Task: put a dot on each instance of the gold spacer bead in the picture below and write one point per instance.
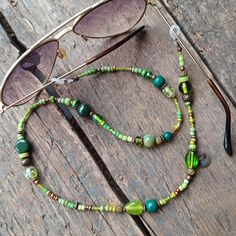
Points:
(119, 209)
(159, 140)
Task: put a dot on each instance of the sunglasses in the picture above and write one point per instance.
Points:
(105, 19)
(34, 67)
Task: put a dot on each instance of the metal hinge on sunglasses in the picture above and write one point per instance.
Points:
(64, 81)
(151, 2)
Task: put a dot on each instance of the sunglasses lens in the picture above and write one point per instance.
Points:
(30, 73)
(112, 18)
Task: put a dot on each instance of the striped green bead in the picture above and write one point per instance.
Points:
(52, 99)
(191, 160)
(185, 87)
(146, 74)
(98, 120)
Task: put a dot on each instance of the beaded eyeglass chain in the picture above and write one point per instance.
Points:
(135, 207)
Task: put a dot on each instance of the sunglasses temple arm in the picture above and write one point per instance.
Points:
(115, 46)
(87, 62)
(11, 34)
(227, 135)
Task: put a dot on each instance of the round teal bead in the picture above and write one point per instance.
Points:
(151, 205)
(22, 146)
(167, 136)
(149, 141)
(159, 81)
(84, 110)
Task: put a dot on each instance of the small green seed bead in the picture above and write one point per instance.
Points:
(183, 79)
(146, 74)
(129, 139)
(167, 136)
(67, 101)
(192, 146)
(149, 141)
(24, 155)
(75, 102)
(61, 100)
(179, 115)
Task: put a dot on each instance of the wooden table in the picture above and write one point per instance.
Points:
(82, 162)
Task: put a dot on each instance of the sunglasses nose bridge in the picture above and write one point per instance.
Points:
(63, 32)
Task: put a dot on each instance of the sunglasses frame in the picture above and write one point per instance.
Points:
(77, 18)
(44, 40)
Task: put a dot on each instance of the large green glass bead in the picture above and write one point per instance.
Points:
(191, 160)
(185, 87)
(167, 136)
(151, 205)
(149, 141)
(159, 81)
(31, 173)
(135, 207)
(84, 109)
(22, 146)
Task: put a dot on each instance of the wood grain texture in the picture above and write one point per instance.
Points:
(131, 104)
(211, 28)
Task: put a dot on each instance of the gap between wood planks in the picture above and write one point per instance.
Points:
(88, 145)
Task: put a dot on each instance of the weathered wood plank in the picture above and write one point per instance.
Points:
(210, 26)
(137, 108)
(64, 164)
